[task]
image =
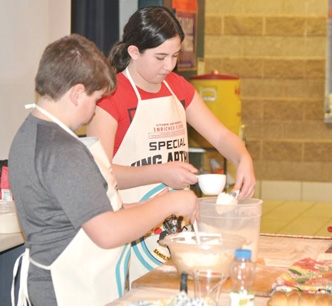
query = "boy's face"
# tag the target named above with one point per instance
(88, 105)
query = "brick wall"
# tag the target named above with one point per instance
(278, 49)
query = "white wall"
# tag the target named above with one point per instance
(126, 9)
(26, 28)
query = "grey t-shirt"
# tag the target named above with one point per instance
(57, 187)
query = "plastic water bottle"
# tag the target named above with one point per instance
(242, 274)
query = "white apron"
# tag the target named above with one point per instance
(157, 135)
(97, 276)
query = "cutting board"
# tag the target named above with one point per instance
(166, 276)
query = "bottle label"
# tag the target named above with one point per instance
(238, 299)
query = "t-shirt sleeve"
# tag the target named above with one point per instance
(108, 104)
(182, 88)
(73, 178)
(122, 99)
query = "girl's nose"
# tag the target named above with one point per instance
(170, 63)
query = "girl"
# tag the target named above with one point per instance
(143, 125)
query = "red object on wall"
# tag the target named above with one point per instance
(185, 5)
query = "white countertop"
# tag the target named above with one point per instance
(8, 241)
(10, 235)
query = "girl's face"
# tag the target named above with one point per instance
(155, 64)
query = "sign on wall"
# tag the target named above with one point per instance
(186, 13)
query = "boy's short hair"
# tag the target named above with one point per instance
(73, 60)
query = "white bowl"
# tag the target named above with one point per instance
(212, 184)
(215, 252)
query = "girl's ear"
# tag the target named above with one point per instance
(76, 92)
(133, 52)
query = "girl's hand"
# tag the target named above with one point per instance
(178, 175)
(245, 179)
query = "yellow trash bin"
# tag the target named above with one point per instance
(221, 93)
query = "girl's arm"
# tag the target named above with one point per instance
(231, 146)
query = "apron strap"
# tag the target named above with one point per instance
(132, 83)
(40, 265)
(126, 72)
(23, 296)
(53, 118)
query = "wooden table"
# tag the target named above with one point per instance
(275, 255)
(155, 294)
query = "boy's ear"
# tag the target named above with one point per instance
(133, 52)
(76, 92)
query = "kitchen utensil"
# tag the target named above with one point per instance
(211, 183)
(228, 198)
(242, 219)
(215, 252)
(226, 201)
(207, 284)
(184, 282)
(198, 239)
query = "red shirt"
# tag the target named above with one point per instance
(122, 104)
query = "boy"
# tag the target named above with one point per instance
(66, 196)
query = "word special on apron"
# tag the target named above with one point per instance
(157, 135)
(97, 276)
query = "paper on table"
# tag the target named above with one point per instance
(292, 250)
(327, 255)
(166, 267)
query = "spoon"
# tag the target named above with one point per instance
(226, 202)
(228, 199)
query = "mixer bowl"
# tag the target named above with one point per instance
(215, 252)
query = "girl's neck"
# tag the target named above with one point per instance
(142, 84)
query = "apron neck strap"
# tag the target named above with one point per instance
(53, 118)
(127, 73)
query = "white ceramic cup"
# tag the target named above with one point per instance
(211, 183)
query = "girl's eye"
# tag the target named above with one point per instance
(163, 58)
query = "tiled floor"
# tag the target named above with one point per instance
(296, 218)
(294, 191)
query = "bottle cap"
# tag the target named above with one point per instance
(243, 254)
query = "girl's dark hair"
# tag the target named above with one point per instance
(147, 28)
